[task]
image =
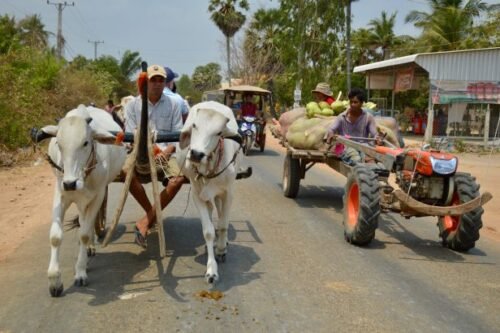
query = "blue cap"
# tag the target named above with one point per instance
(170, 74)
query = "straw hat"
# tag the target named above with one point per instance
(323, 88)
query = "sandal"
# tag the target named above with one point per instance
(140, 239)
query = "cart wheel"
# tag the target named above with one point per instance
(100, 220)
(291, 176)
(262, 142)
(460, 233)
(361, 205)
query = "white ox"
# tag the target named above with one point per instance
(87, 161)
(211, 162)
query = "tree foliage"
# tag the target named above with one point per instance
(207, 77)
(227, 17)
(448, 23)
(39, 87)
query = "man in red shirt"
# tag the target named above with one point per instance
(248, 108)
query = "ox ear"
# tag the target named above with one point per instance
(231, 128)
(185, 138)
(103, 137)
(50, 130)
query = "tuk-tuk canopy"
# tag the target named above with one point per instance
(246, 89)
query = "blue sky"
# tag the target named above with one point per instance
(176, 33)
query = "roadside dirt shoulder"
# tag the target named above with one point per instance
(25, 204)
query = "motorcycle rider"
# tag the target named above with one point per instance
(249, 109)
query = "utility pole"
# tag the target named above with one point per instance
(297, 93)
(95, 42)
(60, 41)
(348, 44)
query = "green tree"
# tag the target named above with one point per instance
(80, 62)
(225, 15)
(32, 32)
(447, 24)
(206, 77)
(309, 42)
(382, 33)
(9, 37)
(485, 34)
(364, 47)
(261, 54)
(130, 63)
(186, 89)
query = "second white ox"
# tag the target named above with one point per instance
(85, 161)
(211, 162)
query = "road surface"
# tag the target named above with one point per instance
(288, 269)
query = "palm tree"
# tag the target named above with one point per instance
(130, 63)
(364, 46)
(261, 43)
(229, 20)
(382, 33)
(448, 23)
(32, 32)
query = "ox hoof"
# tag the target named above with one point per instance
(56, 291)
(81, 282)
(211, 278)
(220, 257)
(90, 252)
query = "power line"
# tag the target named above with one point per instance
(60, 41)
(95, 42)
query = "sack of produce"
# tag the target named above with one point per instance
(338, 107)
(308, 133)
(312, 109)
(287, 118)
(324, 105)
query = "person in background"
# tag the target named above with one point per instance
(170, 91)
(111, 109)
(322, 92)
(110, 106)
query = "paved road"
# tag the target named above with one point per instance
(288, 270)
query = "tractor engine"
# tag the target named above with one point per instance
(432, 190)
(432, 181)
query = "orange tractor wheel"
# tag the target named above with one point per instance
(361, 205)
(460, 233)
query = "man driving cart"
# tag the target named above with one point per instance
(353, 123)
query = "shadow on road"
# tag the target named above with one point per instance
(119, 274)
(313, 196)
(184, 239)
(266, 152)
(425, 249)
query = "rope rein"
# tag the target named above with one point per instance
(91, 162)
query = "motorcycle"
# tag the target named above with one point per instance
(248, 129)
